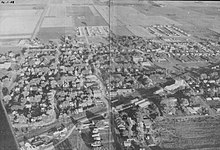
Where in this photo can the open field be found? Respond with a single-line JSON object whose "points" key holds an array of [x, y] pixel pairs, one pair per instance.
{"points": [[31, 1], [193, 134], [114, 20], [46, 34], [140, 31], [121, 30], [90, 21], [94, 11], [18, 24], [75, 11], [85, 16], [104, 11], [8, 48], [57, 22], [209, 16], [78, 2], [189, 3], [63, 19], [131, 16], [56, 11], [14, 37], [215, 28], [123, 2], [131, 19], [211, 10], [50, 33], [192, 20]]}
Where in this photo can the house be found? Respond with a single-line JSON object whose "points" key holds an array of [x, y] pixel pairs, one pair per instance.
{"points": [[216, 98], [96, 144], [28, 146], [148, 64], [97, 138], [5, 65], [113, 94], [147, 123], [141, 101], [137, 59], [172, 101], [218, 110], [127, 143], [196, 108], [144, 104], [161, 59], [185, 102], [95, 130], [97, 93], [208, 98], [124, 91], [191, 110], [96, 135]]}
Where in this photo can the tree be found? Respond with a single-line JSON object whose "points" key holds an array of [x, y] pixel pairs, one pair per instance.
{"points": [[23, 50], [5, 91]]}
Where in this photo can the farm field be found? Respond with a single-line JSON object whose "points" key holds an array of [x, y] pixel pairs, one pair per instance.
{"points": [[123, 2], [140, 31], [104, 11], [121, 30], [18, 22], [125, 18], [190, 3], [75, 11], [57, 22], [79, 2], [53, 32], [61, 20], [47, 20], [56, 11], [194, 134], [131, 16], [197, 18]]}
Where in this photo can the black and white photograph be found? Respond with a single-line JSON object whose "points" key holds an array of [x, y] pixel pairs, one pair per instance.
{"points": [[109, 75]]}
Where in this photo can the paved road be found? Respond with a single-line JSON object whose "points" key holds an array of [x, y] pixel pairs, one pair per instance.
{"points": [[40, 21]]}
